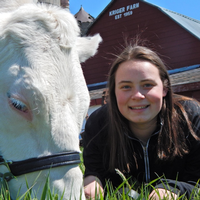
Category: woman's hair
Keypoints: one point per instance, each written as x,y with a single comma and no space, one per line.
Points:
171,139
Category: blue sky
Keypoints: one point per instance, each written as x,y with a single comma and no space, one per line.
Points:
189,8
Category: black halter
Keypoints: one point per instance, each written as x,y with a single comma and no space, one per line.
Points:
18,168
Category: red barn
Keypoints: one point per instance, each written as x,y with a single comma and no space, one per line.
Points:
174,36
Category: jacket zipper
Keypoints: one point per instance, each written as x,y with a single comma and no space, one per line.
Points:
146,161
146,155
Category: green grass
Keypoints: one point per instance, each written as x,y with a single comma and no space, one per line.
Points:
121,193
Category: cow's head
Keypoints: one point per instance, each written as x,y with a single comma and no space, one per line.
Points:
43,94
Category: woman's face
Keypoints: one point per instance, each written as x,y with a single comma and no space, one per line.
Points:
139,91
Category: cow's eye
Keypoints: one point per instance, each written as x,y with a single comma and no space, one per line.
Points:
17,104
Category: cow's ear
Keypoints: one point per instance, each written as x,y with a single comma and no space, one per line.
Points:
87,46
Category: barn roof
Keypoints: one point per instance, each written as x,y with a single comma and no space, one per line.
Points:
181,77
190,24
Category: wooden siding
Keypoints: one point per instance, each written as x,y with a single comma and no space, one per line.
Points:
177,47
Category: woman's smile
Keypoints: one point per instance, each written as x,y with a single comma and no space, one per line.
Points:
138,107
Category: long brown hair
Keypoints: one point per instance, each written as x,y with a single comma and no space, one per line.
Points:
171,140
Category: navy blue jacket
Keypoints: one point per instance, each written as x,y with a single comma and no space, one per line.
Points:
186,169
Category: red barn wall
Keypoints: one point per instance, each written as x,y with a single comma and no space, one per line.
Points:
191,90
177,47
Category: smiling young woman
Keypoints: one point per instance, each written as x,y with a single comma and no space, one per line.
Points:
145,130
139,93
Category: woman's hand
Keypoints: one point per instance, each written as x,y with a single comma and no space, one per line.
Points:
160,193
92,187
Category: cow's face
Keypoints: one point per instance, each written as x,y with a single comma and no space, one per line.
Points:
43,92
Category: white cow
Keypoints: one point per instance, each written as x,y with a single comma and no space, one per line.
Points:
43,94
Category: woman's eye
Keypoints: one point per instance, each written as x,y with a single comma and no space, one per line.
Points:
148,85
126,87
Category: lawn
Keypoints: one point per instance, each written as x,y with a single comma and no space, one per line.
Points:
123,192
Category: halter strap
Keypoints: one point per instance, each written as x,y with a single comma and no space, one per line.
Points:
18,168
